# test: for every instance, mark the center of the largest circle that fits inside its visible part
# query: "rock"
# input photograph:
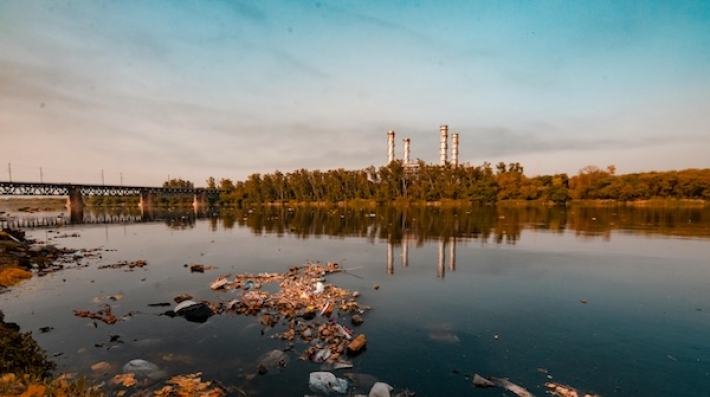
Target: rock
(262, 370)
(273, 360)
(357, 345)
(197, 268)
(376, 287)
(356, 319)
(141, 367)
(101, 366)
(182, 298)
(380, 389)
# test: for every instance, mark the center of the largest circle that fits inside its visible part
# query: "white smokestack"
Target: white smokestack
(406, 151)
(443, 142)
(390, 146)
(454, 150)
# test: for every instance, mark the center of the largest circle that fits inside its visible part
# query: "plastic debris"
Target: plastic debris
(326, 382)
(482, 382)
(219, 283)
(197, 312)
(566, 391)
(380, 389)
(511, 387)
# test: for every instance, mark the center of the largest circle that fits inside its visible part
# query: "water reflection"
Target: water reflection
(398, 226)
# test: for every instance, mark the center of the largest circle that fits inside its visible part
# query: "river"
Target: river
(614, 301)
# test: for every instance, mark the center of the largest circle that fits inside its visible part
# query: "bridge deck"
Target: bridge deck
(64, 189)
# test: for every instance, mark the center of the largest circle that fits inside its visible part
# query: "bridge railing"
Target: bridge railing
(64, 189)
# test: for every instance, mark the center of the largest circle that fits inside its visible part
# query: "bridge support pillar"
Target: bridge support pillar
(74, 200)
(199, 201)
(75, 205)
(146, 200)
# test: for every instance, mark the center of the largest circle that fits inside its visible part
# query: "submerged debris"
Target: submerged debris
(131, 265)
(566, 391)
(302, 297)
(104, 314)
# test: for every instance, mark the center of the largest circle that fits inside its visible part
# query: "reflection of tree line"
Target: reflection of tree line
(501, 224)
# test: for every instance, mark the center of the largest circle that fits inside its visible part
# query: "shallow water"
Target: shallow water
(499, 294)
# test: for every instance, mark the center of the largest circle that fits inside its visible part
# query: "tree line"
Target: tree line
(485, 185)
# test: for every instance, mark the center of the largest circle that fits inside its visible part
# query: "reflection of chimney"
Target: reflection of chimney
(406, 151)
(443, 142)
(454, 150)
(440, 269)
(452, 254)
(390, 146)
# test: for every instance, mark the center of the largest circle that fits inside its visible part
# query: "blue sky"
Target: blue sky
(192, 89)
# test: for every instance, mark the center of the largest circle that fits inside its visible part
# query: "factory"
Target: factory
(443, 148)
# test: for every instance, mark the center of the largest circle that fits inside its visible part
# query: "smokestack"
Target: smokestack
(390, 146)
(443, 141)
(406, 151)
(454, 150)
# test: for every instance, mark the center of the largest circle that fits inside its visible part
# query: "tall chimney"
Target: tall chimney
(443, 142)
(390, 146)
(406, 151)
(454, 150)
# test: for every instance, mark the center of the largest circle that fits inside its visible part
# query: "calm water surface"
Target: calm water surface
(495, 292)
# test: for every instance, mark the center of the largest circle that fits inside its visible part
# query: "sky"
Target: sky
(136, 92)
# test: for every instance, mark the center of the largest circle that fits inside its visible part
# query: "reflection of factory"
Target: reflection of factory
(443, 148)
(440, 266)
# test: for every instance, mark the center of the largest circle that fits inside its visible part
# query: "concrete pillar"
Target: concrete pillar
(406, 151)
(146, 200)
(74, 200)
(454, 150)
(390, 146)
(443, 143)
(199, 201)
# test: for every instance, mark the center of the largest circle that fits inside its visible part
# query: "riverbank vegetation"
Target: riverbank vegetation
(480, 185)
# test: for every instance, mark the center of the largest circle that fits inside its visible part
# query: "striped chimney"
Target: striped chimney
(406, 151)
(390, 146)
(454, 150)
(443, 142)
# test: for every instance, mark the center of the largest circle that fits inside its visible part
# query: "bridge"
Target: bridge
(76, 192)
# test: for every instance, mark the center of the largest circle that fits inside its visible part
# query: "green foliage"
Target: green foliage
(480, 185)
(20, 354)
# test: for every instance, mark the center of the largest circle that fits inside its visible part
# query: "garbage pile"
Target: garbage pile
(302, 297)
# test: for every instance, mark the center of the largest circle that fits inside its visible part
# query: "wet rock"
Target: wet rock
(273, 360)
(197, 268)
(182, 298)
(101, 366)
(356, 319)
(145, 369)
